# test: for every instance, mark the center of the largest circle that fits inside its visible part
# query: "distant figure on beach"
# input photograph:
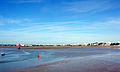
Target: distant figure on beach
(19, 46)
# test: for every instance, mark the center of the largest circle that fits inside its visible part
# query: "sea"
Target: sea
(17, 59)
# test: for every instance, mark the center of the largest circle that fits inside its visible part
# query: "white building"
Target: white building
(108, 43)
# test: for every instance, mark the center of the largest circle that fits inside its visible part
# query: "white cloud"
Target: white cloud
(13, 21)
(26, 1)
(17, 21)
(1, 21)
(90, 5)
(52, 26)
(74, 26)
(5, 21)
(66, 31)
(108, 24)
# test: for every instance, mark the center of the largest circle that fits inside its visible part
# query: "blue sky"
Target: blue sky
(59, 21)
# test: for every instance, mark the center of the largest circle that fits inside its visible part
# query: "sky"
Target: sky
(59, 21)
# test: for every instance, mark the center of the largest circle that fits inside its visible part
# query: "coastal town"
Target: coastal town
(62, 45)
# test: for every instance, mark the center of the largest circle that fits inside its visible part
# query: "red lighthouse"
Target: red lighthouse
(18, 46)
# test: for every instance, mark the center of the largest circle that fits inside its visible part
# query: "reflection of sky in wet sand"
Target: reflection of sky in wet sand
(27, 58)
(86, 64)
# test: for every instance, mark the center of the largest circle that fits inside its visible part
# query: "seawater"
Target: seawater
(17, 59)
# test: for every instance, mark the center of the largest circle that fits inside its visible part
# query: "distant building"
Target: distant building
(95, 44)
(22, 44)
(119, 43)
(26, 45)
(107, 43)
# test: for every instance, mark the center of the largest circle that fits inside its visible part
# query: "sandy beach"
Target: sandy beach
(94, 63)
(75, 65)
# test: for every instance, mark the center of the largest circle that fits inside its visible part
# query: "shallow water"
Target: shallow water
(16, 59)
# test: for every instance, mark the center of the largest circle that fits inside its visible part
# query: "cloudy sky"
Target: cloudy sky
(59, 21)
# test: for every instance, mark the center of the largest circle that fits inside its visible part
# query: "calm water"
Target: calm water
(16, 59)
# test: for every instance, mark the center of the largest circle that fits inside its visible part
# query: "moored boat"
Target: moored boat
(2, 54)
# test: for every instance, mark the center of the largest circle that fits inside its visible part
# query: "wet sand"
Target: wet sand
(79, 64)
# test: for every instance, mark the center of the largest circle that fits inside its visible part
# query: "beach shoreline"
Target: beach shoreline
(58, 47)
(62, 47)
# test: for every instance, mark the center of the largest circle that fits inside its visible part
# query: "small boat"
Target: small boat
(2, 54)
